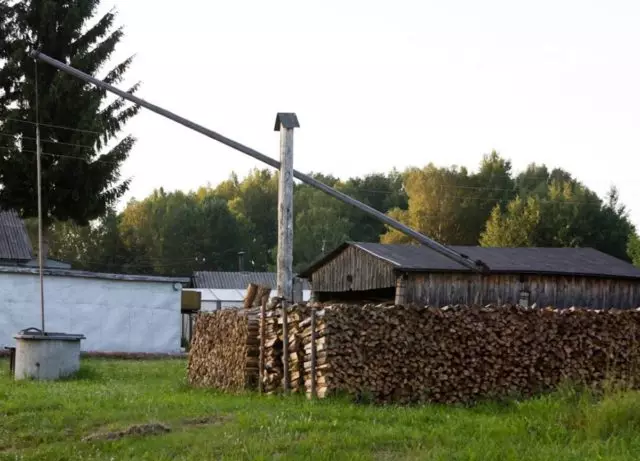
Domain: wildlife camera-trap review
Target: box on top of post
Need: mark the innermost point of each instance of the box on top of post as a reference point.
(287, 120)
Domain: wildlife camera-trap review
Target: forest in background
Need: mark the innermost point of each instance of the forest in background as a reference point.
(180, 232)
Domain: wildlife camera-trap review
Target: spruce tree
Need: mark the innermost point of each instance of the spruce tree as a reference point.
(80, 124)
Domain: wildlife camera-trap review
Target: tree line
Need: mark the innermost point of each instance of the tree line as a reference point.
(84, 147)
(181, 232)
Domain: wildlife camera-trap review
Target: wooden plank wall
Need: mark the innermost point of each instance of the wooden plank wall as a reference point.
(367, 273)
(439, 289)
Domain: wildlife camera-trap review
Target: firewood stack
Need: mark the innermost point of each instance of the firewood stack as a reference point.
(296, 314)
(274, 369)
(461, 353)
(224, 350)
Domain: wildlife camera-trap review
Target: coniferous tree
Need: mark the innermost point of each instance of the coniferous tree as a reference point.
(82, 152)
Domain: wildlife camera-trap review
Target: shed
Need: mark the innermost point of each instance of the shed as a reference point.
(416, 274)
(227, 289)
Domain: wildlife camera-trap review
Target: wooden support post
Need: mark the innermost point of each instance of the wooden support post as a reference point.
(401, 290)
(297, 291)
(285, 349)
(252, 292)
(285, 123)
(314, 391)
(263, 314)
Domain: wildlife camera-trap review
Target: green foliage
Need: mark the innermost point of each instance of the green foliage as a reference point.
(48, 422)
(177, 233)
(515, 227)
(451, 205)
(633, 248)
(80, 175)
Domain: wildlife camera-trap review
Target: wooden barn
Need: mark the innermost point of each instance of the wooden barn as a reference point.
(412, 274)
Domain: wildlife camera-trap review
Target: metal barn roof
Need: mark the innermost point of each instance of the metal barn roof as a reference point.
(15, 244)
(235, 280)
(559, 261)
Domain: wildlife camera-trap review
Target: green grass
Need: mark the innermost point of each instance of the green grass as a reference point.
(47, 421)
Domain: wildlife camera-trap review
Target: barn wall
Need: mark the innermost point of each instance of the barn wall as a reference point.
(439, 289)
(367, 272)
(114, 315)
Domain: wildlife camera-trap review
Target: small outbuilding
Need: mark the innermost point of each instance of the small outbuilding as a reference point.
(220, 290)
(416, 274)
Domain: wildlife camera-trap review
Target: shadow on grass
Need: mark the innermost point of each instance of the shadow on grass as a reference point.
(86, 373)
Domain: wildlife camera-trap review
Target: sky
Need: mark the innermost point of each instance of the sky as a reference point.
(378, 85)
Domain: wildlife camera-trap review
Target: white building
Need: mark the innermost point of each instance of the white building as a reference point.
(116, 313)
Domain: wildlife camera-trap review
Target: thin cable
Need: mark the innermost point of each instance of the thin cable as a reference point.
(54, 126)
(73, 157)
(84, 146)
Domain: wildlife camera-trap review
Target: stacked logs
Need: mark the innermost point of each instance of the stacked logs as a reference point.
(296, 316)
(224, 350)
(273, 364)
(460, 353)
(410, 354)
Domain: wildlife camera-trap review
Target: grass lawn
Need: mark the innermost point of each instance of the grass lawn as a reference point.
(49, 422)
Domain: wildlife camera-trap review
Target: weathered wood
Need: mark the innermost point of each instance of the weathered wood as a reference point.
(252, 292)
(263, 315)
(441, 289)
(285, 215)
(285, 348)
(313, 353)
(353, 269)
(401, 290)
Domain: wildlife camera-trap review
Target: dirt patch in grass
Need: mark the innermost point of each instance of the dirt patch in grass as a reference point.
(144, 430)
(205, 420)
(140, 430)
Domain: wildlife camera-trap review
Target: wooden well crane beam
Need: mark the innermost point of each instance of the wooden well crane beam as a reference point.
(477, 266)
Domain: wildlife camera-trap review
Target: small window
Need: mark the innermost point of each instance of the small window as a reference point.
(350, 278)
(524, 298)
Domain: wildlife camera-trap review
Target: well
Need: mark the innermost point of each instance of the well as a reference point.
(46, 356)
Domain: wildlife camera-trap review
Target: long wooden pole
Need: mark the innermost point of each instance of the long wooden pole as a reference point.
(436, 246)
(263, 314)
(314, 390)
(39, 185)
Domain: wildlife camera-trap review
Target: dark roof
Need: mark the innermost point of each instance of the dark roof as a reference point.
(560, 261)
(236, 280)
(93, 275)
(14, 240)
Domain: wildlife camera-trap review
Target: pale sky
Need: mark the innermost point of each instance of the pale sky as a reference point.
(378, 85)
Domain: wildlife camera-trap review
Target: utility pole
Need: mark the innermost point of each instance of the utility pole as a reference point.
(39, 185)
(285, 123)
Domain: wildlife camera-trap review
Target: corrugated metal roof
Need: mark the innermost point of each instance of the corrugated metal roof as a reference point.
(14, 240)
(561, 261)
(235, 280)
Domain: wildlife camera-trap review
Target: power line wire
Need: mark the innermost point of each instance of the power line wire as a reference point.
(64, 156)
(84, 146)
(54, 126)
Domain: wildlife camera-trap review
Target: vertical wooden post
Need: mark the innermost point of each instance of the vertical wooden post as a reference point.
(263, 314)
(401, 290)
(285, 349)
(285, 123)
(314, 391)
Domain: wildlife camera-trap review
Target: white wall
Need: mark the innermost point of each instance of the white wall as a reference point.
(114, 315)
